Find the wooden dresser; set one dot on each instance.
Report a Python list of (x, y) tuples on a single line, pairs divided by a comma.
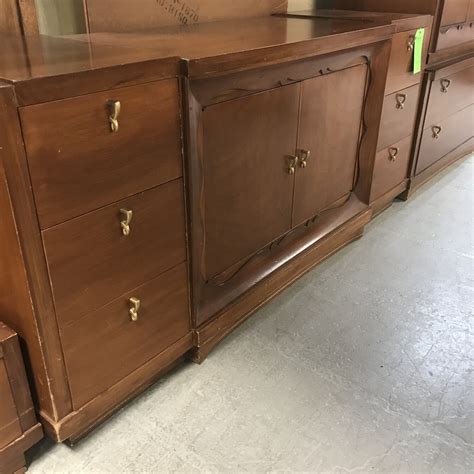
[(19, 428), (443, 128), (158, 187)]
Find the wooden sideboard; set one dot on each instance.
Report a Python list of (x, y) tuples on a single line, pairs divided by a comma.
[(151, 203), (19, 428)]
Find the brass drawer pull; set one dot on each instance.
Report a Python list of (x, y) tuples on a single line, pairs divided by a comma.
[(304, 157), (134, 308), (436, 131), (125, 223), (292, 163), (445, 83), (401, 99), (393, 153), (114, 111), (411, 43)]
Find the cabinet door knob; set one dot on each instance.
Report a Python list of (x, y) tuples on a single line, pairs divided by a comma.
[(135, 304), (401, 100), (303, 158), (411, 44), (292, 163), (445, 83), (125, 222), (436, 131), (114, 112), (393, 153)]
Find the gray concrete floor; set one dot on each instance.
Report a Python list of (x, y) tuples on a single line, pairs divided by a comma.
[(364, 365)]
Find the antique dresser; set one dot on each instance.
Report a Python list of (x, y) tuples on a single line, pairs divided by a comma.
[(158, 187)]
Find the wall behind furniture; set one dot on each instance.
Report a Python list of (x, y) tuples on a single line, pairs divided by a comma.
[(63, 17)]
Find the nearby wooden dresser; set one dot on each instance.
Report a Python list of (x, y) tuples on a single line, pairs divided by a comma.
[(444, 117), (19, 428)]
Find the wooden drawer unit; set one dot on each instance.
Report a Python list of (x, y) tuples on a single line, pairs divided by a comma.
[(106, 345), (391, 167), (77, 163), (91, 261), (400, 72), (450, 92), (440, 138), (398, 116), (19, 429)]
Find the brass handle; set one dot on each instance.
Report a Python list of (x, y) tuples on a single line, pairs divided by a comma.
[(303, 158), (125, 222), (401, 99), (411, 44), (114, 112), (393, 153), (292, 163), (436, 131), (134, 308), (445, 83)]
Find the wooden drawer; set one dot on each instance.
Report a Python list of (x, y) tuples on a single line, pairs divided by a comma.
[(105, 346), (10, 428), (400, 70), (455, 35), (92, 262), (391, 167), (398, 116), (451, 133), (450, 93), (78, 164)]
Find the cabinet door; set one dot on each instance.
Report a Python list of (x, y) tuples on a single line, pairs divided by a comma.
[(454, 11), (330, 124), (247, 189)]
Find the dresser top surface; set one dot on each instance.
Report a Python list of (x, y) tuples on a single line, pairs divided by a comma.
[(27, 58)]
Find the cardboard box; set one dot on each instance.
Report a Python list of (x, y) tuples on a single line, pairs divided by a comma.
[(126, 15)]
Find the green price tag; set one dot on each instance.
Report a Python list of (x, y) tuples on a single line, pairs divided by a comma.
[(418, 50)]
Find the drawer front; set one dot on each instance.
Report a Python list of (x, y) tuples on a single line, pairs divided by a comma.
[(398, 116), (455, 35), (77, 164), (10, 428), (105, 346), (391, 167), (91, 261), (449, 94), (451, 133), (400, 70)]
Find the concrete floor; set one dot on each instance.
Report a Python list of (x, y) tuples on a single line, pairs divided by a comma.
[(364, 365)]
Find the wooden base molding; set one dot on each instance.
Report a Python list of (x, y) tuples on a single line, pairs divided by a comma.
[(80, 422), (211, 333)]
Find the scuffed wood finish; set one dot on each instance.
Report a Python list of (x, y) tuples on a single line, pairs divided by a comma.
[(24, 278), (19, 429), (84, 166)]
